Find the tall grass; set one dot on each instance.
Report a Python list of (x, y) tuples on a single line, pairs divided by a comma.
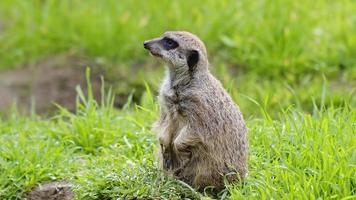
[(302, 156)]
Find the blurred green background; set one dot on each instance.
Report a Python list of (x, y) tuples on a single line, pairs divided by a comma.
[(272, 38), (280, 50)]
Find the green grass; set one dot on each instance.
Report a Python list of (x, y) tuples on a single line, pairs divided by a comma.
[(109, 153)]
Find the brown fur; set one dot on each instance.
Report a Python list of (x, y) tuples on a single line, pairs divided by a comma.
[(201, 130)]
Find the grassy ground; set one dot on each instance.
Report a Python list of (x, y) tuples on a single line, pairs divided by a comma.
[(291, 67), (109, 153)]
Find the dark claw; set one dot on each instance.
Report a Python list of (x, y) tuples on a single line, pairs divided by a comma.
[(168, 164)]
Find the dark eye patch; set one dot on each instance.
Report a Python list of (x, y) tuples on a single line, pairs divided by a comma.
[(169, 44)]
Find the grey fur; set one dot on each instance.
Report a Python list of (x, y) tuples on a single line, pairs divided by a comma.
[(201, 130)]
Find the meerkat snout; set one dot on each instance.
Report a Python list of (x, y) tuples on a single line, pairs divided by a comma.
[(201, 131), (146, 44)]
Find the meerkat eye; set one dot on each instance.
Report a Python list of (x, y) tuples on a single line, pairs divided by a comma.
[(169, 44)]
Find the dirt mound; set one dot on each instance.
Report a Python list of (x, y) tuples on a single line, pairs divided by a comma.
[(51, 191), (38, 86)]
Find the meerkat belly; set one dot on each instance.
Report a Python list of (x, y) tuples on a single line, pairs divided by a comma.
[(177, 122)]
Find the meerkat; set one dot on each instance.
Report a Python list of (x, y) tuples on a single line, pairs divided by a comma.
[(201, 131)]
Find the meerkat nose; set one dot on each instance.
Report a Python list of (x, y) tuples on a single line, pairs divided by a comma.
[(146, 44)]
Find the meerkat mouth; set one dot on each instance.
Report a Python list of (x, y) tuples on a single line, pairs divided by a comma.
[(156, 54)]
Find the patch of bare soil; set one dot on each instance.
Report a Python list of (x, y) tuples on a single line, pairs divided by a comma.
[(51, 191), (52, 80)]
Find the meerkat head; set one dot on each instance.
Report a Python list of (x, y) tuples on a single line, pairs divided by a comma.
[(181, 50)]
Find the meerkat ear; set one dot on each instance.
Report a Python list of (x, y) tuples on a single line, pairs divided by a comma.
[(193, 58)]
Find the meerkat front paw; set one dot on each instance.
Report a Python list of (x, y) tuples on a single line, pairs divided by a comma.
[(167, 164), (167, 161)]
